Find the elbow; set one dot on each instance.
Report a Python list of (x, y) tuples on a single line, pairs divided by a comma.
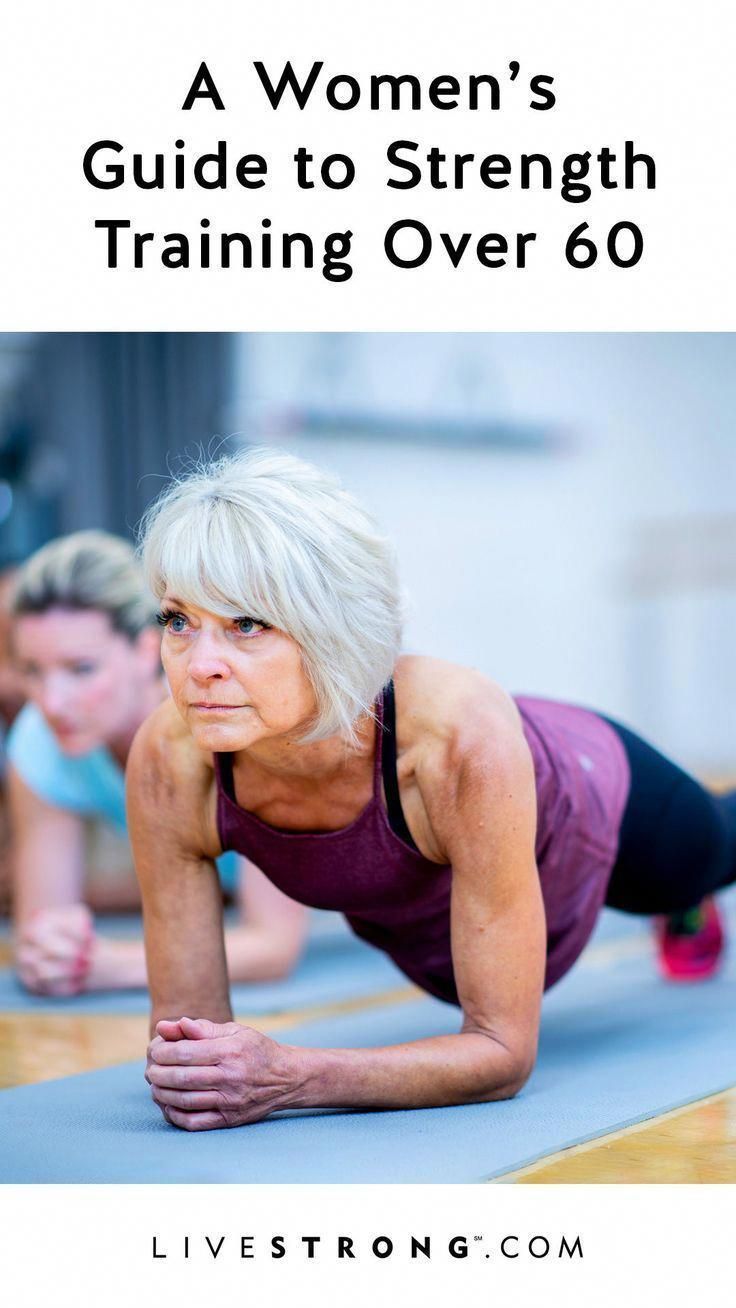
[(505, 1071), (506, 1086), (274, 960), (279, 952), (518, 1077), (278, 967), (289, 943), (286, 958)]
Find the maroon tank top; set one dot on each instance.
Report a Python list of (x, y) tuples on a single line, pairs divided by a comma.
[(399, 901)]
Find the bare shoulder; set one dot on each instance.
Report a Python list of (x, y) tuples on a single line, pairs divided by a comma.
[(165, 752), (169, 780), (461, 750), (442, 704), (462, 756)]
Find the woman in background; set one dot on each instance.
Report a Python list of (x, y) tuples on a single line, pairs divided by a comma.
[(88, 650)]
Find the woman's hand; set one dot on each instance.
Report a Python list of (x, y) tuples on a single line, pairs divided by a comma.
[(204, 1075), (54, 950), (59, 954)]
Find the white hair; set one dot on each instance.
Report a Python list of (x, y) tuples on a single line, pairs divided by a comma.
[(271, 537), (87, 570)]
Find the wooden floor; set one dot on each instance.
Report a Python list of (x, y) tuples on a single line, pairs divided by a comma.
[(693, 1144)]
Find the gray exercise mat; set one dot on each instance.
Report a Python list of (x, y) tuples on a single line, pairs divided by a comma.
[(335, 966), (618, 1045)]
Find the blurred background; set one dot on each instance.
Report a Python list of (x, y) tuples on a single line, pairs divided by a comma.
[(564, 506)]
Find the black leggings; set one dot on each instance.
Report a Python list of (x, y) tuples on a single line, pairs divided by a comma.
[(677, 841)]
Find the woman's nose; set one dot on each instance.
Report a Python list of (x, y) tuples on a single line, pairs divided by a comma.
[(206, 662), (51, 699), (208, 669)]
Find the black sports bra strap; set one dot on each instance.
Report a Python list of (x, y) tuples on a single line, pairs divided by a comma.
[(396, 818), (224, 771)]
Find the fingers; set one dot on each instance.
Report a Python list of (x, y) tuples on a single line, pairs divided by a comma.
[(54, 949), (168, 1030), (59, 948), (73, 922), (158, 1042), (209, 1121), (182, 1078), (195, 1028), (187, 1053), (75, 919), (44, 974), (190, 1101), (59, 989), (192, 1028), (200, 1028)]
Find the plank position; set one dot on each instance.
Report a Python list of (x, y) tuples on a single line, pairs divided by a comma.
[(472, 836)]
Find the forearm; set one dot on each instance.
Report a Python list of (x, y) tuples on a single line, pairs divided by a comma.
[(255, 953), (436, 1072), (187, 970), (187, 966), (47, 852), (116, 965), (40, 883)]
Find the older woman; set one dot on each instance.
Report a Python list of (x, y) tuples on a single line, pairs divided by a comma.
[(471, 836), (88, 650)]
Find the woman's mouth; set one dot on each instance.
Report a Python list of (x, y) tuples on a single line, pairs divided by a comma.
[(64, 729), (205, 707)]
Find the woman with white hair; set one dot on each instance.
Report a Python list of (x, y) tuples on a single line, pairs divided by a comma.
[(87, 646), (471, 836)]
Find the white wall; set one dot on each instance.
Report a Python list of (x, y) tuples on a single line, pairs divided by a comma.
[(519, 563)]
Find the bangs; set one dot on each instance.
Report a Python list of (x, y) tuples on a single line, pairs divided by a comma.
[(199, 558), (265, 536)]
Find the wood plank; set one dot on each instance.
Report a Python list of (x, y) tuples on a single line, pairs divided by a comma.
[(694, 1144)]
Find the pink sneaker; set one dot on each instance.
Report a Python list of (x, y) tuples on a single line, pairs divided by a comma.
[(690, 944)]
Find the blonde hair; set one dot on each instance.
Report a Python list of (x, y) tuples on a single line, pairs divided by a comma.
[(87, 570), (271, 537)]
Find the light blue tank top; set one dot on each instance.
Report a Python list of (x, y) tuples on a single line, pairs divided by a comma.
[(92, 784)]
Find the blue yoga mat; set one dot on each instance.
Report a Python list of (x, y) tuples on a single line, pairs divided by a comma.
[(618, 1045), (335, 966)]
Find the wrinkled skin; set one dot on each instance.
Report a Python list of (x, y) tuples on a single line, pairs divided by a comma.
[(204, 1075)]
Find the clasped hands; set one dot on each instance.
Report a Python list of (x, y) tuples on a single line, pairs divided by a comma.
[(54, 948), (58, 953), (204, 1075)]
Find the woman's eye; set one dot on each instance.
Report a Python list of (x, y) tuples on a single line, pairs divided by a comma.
[(175, 622), (83, 669), (247, 626)]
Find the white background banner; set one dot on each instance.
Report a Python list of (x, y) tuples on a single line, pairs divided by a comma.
[(658, 76), (640, 1245)]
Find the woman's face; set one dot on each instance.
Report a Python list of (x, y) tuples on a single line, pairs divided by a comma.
[(234, 681), (90, 682)]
